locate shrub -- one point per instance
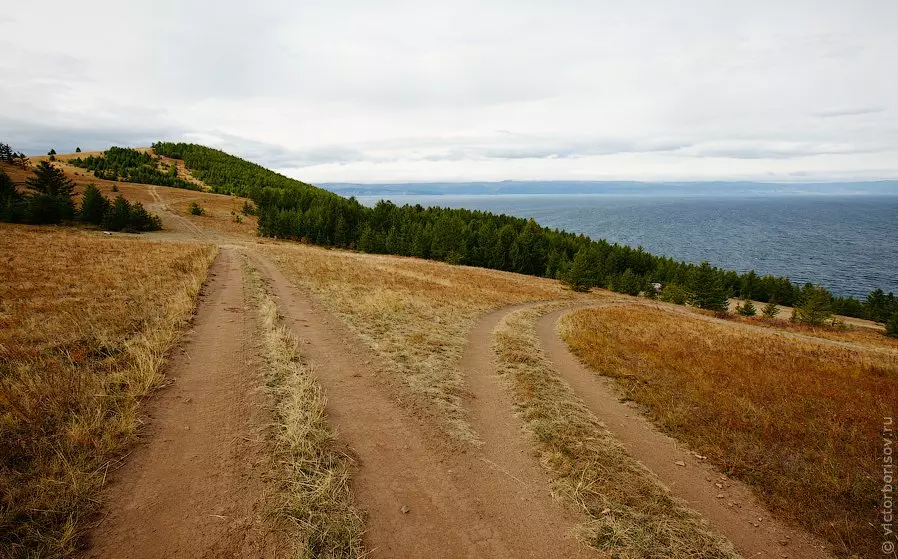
(196, 209)
(673, 293)
(248, 208)
(747, 308)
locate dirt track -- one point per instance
(488, 502)
(196, 489)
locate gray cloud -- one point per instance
(404, 90)
(848, 111)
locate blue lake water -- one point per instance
(848, 244)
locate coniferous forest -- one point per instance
(291, 209)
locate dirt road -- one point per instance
(423, 500)
(195, 488)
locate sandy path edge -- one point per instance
(748, 524)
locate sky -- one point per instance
(346, 91)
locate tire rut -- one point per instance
(422, 499)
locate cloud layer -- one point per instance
(360, 91)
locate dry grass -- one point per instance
(798, 420)
(221, 210)
(631, 514)
(415, 313)
(317, 496)
(85, 321)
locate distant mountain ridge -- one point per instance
(618, 188)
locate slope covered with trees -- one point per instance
(292, 209)
(130, 165)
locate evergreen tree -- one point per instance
(581, 275)
(118, 215)
(815, 308)
(892, 326)
(78, 150)
(706, 288)
(6, 154)
(51, 200)
(93, 205)
(771, 309)
(673, 293)
(10, 200)
(746, 308)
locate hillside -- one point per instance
(361, 404)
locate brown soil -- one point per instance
(728, 505)
(196, 488)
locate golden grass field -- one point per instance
(799, 421)
(221, 210)
(85, 321)
(415, 313)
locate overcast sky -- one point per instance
(412, 91)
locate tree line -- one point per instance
(291, 209)
(49, 198)
(131, 165)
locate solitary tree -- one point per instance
(771, 309)
(78, 150)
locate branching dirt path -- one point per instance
(422, 500)
(738, 515)
(195, 488)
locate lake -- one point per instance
(848, 244)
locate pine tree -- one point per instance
(93, 205)
(892, 326)
(52, 195)
(706, 288)
(815, 308)
(10, 199)
(6, 154)
(49, 180)
(78, 150)
(747, 308)
(771, 309)
(581, 275)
